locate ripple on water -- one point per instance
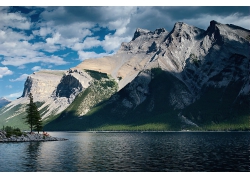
(128, 152)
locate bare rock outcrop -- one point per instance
(28, 137)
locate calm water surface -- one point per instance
(127, 152)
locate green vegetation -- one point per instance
(248, 37)
(124, 127)
(194, 60)
(10, 131)
(97, 75)
(33, 118)
(13, 117)
(218, 110)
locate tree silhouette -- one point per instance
(33, 118)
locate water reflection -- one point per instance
(31, 157)
(129, 152)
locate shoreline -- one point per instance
(27, 137)
(117, 131)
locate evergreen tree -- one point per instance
(33, 118)
(38, 124)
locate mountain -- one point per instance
(188, 78)
(3, 102)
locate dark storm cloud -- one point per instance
(144, 17)
(151, 17)
(71, 14)
(181, 12)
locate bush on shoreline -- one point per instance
(10, 131)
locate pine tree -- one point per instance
(38, 123)
(33, 118)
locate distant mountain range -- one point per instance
(185, 79)
(3, 102)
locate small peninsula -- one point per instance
(28, 137)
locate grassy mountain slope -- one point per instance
(14, 117)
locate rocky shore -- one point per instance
(27, 137)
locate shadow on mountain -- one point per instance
(215, 109)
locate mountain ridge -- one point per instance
(4, 101)
(195, 63)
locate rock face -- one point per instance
(4, 102)
(42, 84)
(191, 75)
(195, 56)
(53, 90)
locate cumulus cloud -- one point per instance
(9, 86)
(89, 55)
(88, 43)
(4, 71)
(112, 43)
(21, 67)
(14, 95)
(23, 77)
(109, 44)
(54, 39)
(18, 61)
(14, 20)
(36, 68)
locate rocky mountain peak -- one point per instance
(159, 31)
(3, 101)
(140, 32)
(213, 31)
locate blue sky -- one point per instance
(50, 37)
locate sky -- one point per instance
(37, 37)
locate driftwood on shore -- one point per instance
(28, 137)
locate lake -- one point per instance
(130, 152)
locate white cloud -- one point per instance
(21, 67)
(23, 77)
(14, 95)
(18, 61)
(14, 20)
(112, 43)
(89, 55)
(9, 86)
(36, 68)
(54, 39)
(8, 35)
(79, 30)
(4, 71)
(88, 43)
(18, 48)
(44, 31)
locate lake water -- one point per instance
(129, 152)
